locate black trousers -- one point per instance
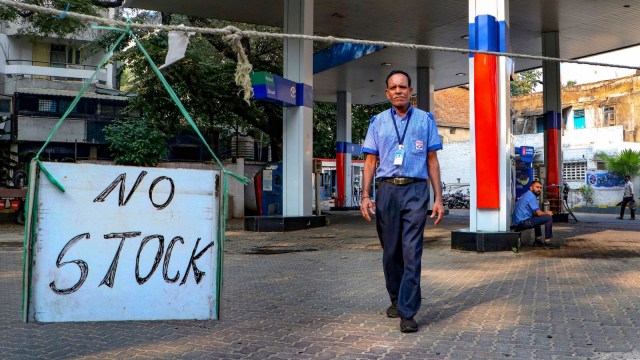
(401, 214)
(535, 223)
(625, 201)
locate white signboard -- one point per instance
(125, 243)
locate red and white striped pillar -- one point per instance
(491, 186)
(552, 103)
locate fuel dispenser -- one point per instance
(524, 169)
(268, 187)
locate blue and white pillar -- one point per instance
(297, 149)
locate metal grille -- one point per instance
(47, 105)
(574, 171)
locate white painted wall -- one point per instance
(455, 162)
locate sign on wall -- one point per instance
(604, 179)
(125, 243)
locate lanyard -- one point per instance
(401, 139)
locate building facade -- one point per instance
(38, 81)
(597, 118)
(587, 106)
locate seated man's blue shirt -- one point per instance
(525, 208)
(421, 138)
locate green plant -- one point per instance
(627, 162)
(134, 141)
(587, 194)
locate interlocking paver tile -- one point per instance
(578, 302)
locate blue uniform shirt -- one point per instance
(525, 207)
(421, 137)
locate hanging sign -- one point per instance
(124, 243)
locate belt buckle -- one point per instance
(398, 181)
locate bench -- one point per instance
(527, 236)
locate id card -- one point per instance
(397, 160)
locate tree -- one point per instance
(135, 141)
(40, 24)
(571, 83)
(524, 82)
(627, 162)
(325, 130)
(203, 80)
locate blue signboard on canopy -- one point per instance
(281, 91)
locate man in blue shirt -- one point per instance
(405, 140)
(527, 215)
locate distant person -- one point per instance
(527, 215)
(405, 140)
(628, 198)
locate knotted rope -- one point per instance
(244, 67)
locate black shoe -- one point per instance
(408, 325)
(392, 311)
(619, 218)
(538, 243)
(632, 219)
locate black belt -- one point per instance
(401, 180)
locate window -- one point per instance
(609, 115)
(600, 165)
(540, 124)
(578, 119)
(47, 105)
(58, 55)
(64, 105)
(574, 171)
(111, 108)
(5, 105)
(73, 56)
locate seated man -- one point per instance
(527, 215)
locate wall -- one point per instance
(455, 162)
(459, 134)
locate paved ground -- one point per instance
(319, 294)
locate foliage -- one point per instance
(587, 194)
(324, 126)
(571, 83)
(135, 141)
(524, 82)
(40, 24)
(203, 80)
(627, 162)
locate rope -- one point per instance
(244, 68)
(325, 39)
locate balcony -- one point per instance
(53, 71)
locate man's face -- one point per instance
(626, 178)
(398, 91)
(536, 188)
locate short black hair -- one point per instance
(393, 72)
(535, 181)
